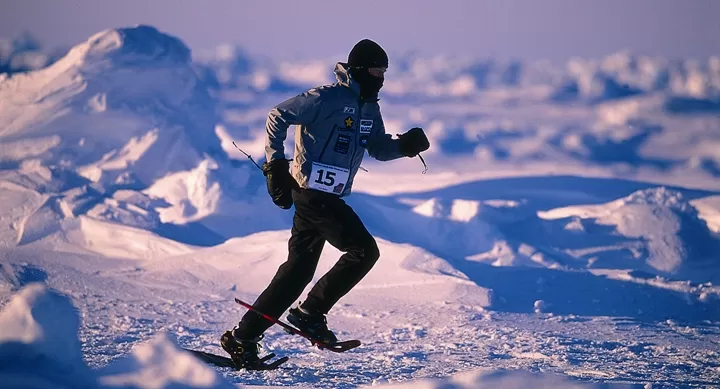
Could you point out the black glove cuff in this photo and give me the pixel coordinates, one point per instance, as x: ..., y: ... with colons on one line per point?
x: 275, y: 166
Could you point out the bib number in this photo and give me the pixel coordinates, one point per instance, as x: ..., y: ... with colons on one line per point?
x: 328, y: 178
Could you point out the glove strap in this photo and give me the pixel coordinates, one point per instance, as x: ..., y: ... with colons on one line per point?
x: 424, y: 164
x: 247, y: 155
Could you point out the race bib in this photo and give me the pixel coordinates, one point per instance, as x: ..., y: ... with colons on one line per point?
x: 328, y: 178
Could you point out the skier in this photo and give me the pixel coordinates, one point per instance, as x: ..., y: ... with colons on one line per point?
x: 336, y: 124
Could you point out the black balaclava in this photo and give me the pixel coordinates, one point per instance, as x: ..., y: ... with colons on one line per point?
x: 367, y: 54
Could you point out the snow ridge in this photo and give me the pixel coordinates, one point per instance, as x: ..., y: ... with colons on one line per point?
x: 677, y: 241
x: 125, y: 98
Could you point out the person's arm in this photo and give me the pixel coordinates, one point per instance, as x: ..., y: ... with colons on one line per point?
x: 301, y: 109
x: 381, y: 145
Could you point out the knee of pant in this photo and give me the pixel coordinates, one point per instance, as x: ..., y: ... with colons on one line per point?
x: 305, y: 278
x: 303, y: 274
x: 371, y: 252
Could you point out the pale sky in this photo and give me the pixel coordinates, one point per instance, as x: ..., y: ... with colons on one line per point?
x: 524, y: 29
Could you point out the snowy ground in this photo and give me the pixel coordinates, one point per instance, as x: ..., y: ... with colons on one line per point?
x: 565, y: 234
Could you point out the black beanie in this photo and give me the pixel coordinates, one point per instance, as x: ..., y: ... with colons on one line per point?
x: 367, y: 54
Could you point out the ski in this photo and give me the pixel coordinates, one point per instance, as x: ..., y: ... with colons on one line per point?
x: 337, y: 347
x: 222, y: 361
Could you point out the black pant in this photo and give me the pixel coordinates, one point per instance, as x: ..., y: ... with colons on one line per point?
x: 319, y: 217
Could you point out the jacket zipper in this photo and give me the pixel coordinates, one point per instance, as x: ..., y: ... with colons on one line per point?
x: 326, y: 143
x: 357, y: 134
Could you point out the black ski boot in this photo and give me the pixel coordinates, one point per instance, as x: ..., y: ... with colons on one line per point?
x: 243, y: 352
x: 311, y: 323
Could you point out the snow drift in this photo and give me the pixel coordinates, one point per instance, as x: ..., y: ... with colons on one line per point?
x: 39, y: 345
x: 662, y: 229
x: 121, y: 129
x: 125, y: 101
x: 39, y: 348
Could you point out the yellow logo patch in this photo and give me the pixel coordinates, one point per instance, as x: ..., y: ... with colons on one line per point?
x: 349, y: 122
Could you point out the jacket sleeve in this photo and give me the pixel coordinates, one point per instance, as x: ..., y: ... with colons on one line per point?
x: 301, y: 109
x: 381, y: 145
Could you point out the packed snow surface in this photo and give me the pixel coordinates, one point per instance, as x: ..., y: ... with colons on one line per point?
x: 565, y: 234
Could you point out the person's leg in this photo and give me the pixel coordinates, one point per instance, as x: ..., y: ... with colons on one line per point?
x: 340, y: 226
x: 304, y: 249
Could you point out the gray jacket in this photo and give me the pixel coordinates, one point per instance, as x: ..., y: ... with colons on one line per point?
x: 335, y: 127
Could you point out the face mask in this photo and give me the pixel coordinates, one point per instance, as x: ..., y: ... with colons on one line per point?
x: 369, y: 84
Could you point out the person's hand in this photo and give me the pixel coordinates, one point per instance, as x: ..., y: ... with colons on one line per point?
x: 413, y: 142
x: 280, y: 182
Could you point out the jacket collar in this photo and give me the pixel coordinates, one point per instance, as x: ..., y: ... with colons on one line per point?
x: 342, y: 74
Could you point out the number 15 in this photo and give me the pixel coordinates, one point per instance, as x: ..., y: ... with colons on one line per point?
x: 329, y: 179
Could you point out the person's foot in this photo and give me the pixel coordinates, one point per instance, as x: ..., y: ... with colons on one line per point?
x: 311, y: 323
x: 244, y: 352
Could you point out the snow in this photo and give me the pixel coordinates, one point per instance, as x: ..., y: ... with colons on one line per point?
x: 159, y: 363
x: 23, y: 53
x: 500, y: 379
x: 41, y: 325
x: 565, y: 234
x: 708, y: 211
x: 122, y: 241
x: 662, y: 218
x: 144, y: 122
x: 40, y: 330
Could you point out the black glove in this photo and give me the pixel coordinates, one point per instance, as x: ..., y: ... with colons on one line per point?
x: 413, y: 142
x: 280, y: 182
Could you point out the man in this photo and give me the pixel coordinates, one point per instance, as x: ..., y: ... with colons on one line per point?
x: 336, y: 124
